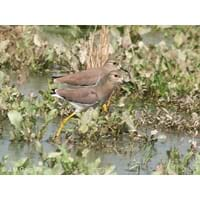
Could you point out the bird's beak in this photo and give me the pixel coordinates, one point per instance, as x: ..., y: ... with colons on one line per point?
x: 126, y: 76
x: 121, y: 80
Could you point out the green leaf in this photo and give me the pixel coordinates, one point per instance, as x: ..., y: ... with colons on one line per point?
x: 15, y: 118
x: 38, y: 147
x: 110, y: 170
x: 54, y: 154
x: 197, y: 165
x: 85, y: 153
x: 83, y: 128
x: 22, y: 164
x: 51, y: 115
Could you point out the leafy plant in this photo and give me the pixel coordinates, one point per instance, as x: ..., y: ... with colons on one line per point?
x: 59, y: 162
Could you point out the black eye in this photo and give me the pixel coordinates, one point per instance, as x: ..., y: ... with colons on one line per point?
x: 115, y: 75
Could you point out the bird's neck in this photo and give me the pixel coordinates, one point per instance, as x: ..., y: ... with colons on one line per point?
x: 105, y: 89
x: 109, y: 67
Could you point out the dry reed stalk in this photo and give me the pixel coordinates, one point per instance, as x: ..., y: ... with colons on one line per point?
x: 98, y: 48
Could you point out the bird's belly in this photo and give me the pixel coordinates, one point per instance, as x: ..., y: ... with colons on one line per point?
x: 80, y: 106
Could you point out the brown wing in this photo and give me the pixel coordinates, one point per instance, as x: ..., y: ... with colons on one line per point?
x: 82, y: 78
x: 86, y: 77
x: 80, y: 95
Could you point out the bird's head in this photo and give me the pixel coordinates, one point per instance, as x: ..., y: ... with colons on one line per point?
x: 115, y: 77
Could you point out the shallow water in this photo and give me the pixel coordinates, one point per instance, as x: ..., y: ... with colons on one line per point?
x: 131, y: 162
x: 32, y: 85
x: 124, y: 164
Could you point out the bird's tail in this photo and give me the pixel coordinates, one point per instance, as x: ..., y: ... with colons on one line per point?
x: 55, y: 94
x: 54, y: 76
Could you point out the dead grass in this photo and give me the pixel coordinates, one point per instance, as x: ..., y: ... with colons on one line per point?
x: 98, y: 48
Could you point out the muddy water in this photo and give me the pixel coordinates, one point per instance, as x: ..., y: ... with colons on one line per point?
x: 134, y: 161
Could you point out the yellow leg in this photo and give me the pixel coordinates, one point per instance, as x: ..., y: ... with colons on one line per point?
x: 106, y: 105
x: 62, y: 124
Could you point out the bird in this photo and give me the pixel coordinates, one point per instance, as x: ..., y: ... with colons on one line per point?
x: 88, y: 77
x: 83, y: 98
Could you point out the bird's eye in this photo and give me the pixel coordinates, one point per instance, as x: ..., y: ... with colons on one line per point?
x: 115, y: 75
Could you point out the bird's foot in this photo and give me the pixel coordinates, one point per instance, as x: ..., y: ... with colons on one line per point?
x: 105, y: 108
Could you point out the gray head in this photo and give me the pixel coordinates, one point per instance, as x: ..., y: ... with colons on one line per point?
x: 114, y: 77
x: 111, y: 65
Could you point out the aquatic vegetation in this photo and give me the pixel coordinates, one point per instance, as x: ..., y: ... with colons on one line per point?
x: 23, y: 113
x: 59, y: 162
x: 178, y: 164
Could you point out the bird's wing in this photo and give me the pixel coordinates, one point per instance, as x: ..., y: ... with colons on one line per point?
x: 82, y: 78
x: 80, y: 95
